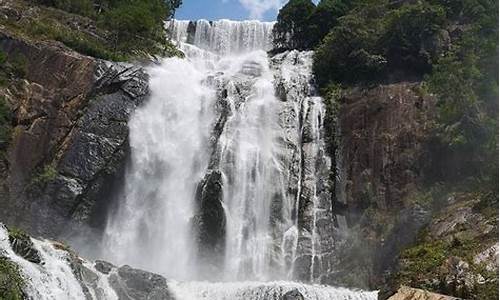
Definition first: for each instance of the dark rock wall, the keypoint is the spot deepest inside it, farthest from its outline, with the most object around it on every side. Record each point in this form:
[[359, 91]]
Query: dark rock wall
[[382, 135], [69, 135], [381, 151]]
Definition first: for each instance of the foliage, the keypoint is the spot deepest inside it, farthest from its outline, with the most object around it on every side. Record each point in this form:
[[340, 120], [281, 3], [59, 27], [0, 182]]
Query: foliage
[[465, 82], [47, 174], [291, 29], [349, 52], [134, 27], [324, 17], [422, 259], [408, 35], [451, 44], [76, 40], [5, 125], [17, 234], [11, 282]]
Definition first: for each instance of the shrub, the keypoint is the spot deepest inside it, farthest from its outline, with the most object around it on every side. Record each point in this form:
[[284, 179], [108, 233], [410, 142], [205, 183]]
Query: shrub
[[407, 40], [291, 29], [11, 282], [47, 174], [348, 53]]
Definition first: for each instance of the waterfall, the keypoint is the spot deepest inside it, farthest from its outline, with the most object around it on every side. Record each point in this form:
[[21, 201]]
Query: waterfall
[[54, 278], [264, 291], [227, 191], [228, 179], [228, 171]]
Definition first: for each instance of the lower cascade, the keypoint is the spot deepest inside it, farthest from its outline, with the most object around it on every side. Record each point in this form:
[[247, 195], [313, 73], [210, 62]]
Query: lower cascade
[[228, 193]]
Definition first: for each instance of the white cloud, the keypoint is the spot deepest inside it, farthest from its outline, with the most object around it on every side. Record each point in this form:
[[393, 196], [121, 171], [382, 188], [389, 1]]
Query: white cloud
[[257, 8]]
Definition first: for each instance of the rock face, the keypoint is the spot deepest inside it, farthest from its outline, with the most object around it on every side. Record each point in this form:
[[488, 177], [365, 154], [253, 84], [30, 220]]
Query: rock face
[[382, 135], [406, 293], [133, 284], [380, 142], [399, 228], [293, 295], [70, 135]]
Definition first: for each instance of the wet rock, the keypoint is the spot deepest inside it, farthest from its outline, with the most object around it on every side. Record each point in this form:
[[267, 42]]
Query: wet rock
[[103, 266], [23, 246], [293, 295], [134, 284], [210, 220]]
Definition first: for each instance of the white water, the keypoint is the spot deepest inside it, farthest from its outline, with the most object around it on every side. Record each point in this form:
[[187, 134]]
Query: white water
[[168, 138], [53, 279], [270, 153], [263, 291]]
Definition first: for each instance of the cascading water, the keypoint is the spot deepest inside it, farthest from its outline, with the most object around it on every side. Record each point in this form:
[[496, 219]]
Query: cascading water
[[54, 278], [229, 177], [228, 182]]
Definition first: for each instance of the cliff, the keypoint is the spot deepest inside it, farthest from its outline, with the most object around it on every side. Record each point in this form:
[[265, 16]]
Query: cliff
[[399, 227], [68, 116]]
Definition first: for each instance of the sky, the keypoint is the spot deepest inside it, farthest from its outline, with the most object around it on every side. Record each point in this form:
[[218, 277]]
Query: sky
[[265, 10]]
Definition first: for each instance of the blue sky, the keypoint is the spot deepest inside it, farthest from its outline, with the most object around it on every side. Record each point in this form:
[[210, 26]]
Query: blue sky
[[229, 9]]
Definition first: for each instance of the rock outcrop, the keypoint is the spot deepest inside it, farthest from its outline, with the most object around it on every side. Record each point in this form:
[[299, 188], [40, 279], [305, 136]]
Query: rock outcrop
[[380, 144], [407, 293], [70, 135], [399, 228]]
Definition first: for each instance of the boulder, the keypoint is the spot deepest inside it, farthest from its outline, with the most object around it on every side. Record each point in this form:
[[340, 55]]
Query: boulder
[[293, 295], [134, 284], [407, 293]]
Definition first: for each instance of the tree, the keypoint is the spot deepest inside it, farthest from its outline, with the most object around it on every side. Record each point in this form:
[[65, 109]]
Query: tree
[[349, 53], [412, 35], [291, 29], [325, 17]]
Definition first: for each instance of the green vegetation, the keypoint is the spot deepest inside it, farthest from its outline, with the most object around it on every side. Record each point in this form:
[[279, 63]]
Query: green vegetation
[[47, 174], [450, 45], [10, 68], [107, 29], [422, 266], [17, 234], [5, 125], [50, 29], [11, 282], [291, 29]]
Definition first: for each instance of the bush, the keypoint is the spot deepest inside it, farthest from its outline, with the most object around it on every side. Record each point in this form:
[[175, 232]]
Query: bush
[[465, 82], [47, 174], [407, 41], [76, 40], [291, 29], [11, 282], [349, 52], [136, 26], [325, 17]]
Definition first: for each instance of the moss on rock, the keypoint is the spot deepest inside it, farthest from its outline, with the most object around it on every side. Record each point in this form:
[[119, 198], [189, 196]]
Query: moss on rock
[[11, 281]]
